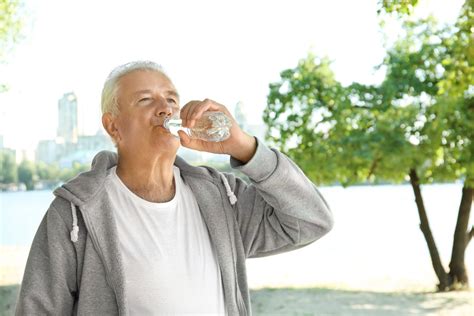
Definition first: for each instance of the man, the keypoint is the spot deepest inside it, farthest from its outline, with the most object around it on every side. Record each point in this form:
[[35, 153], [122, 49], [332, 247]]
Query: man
[[145, 233]]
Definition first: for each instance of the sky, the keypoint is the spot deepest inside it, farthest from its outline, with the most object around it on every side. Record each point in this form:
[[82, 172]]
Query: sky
[[228, 51]]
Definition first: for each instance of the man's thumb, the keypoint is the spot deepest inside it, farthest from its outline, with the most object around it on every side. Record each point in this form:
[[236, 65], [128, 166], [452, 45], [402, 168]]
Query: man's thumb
[[184, 138]]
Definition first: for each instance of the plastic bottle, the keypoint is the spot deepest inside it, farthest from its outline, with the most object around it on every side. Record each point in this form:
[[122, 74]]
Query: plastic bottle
[[211, 127]]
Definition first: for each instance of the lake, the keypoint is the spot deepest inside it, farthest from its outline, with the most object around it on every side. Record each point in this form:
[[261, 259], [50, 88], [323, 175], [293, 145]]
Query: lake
[[376, 241]]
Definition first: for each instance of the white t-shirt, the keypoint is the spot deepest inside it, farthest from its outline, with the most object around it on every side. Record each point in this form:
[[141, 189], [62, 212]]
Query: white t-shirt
[[170, 265]]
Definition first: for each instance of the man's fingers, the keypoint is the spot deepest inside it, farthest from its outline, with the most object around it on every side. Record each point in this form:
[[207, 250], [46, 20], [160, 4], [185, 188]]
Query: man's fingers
[[186, 110], [190, 115], [205, 106], [193, 110]]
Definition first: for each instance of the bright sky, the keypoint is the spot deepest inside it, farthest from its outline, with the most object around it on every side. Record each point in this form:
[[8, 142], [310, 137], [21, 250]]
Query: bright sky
[[228, 51]]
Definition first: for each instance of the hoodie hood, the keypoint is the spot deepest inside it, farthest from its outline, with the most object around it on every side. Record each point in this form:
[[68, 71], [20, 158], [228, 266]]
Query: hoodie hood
[[82, 188], [86, 185]]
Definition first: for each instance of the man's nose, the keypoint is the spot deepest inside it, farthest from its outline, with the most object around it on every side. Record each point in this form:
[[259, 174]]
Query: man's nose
[[164, 109]]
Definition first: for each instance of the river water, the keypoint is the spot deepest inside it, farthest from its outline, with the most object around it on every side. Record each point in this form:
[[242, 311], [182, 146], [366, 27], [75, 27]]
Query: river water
[[376, 240]]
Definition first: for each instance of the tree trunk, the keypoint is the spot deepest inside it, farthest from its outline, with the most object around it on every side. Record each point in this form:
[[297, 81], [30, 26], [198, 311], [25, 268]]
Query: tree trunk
[[458, 277], [425, 228]]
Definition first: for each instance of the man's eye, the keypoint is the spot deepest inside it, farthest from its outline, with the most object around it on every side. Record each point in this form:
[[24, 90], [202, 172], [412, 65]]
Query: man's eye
[[144, 99], [171, 101]]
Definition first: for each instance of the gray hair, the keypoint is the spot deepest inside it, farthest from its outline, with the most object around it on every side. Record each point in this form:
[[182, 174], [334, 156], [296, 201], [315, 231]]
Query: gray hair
[[109, 92]]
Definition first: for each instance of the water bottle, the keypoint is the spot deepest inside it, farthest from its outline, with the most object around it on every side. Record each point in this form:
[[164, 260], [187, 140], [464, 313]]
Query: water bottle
[[211, 127]]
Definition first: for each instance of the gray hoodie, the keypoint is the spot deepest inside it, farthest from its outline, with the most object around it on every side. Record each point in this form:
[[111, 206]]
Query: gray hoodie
[[75, 267]]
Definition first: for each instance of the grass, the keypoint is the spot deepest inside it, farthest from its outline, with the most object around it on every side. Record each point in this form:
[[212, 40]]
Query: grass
[[8, 294]]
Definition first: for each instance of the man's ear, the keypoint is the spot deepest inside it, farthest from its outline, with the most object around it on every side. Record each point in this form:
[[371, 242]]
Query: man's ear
[[110, 125]]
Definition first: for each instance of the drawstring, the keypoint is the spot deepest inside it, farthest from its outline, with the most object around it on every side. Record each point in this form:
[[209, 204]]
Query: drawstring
[[230, 194], [75, 228]]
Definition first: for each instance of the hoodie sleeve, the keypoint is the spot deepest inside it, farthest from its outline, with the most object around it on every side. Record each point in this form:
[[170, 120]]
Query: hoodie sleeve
[[281, 209], [49, 281]]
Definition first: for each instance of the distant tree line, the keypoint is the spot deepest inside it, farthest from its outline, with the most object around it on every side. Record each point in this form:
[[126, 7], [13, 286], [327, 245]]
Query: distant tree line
[[30, 173], [50, 175]]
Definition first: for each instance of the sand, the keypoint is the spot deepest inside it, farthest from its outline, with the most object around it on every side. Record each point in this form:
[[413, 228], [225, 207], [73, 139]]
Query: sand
[[12, 264], [350, 298], [374, 262], [325, 301]]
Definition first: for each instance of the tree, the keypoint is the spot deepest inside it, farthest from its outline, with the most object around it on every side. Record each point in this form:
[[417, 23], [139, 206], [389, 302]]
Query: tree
[[47, 172], [69, 173], [11, 24], [26, 174], [455, 110], [454, 126], [8, 172], [410, 127]]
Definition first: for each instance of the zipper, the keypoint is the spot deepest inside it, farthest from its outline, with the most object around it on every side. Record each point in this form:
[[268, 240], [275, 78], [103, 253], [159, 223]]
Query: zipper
[[101, 254]]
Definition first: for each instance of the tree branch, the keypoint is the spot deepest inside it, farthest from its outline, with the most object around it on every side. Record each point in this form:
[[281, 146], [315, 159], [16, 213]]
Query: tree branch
[[362, 107], [373, 167], [470, 235]]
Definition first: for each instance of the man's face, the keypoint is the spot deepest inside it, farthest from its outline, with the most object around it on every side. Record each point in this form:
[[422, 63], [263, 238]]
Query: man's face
[[145, 98]]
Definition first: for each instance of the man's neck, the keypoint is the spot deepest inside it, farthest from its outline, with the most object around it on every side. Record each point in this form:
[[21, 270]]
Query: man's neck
[[150, 179]]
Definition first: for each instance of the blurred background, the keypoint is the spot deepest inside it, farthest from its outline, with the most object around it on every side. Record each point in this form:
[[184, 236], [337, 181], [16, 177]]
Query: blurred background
[[373, 99]]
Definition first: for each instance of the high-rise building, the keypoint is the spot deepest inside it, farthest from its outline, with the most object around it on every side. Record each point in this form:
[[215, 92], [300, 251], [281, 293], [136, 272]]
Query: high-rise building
[[47, 151], [67, 118], [69, 147]]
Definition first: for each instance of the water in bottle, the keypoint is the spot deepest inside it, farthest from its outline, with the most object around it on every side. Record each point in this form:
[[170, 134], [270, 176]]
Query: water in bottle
[[211, 127]]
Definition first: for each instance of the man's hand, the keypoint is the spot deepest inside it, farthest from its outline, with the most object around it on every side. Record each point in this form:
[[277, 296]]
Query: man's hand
[[239, 145]]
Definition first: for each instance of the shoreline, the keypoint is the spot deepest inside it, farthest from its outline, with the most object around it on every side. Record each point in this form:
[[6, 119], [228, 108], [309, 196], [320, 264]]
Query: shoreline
[[283, 297], [323, 301]]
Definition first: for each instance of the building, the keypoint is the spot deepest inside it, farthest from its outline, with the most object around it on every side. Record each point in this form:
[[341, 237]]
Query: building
[[85, 149], [96, 142], [67, 118], [69, 147], [66, 154], [47, 151]]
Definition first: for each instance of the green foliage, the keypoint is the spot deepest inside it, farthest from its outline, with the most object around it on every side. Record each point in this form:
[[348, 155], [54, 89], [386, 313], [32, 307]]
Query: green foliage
[[30, 173], [12, 18], [48, 172], [11, 23], [459, 60], [315, 119], [69, 173], [8, 172], [377, 133], [26, 172], [403, 7], [455, 106]]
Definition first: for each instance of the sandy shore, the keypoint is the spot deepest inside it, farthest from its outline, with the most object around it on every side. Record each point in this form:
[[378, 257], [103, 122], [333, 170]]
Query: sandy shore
[[12, 264], [279, 288], [324, 301]]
